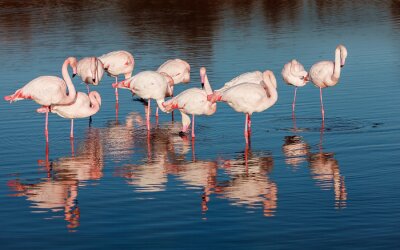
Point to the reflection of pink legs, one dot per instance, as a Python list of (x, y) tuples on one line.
[(193, 126), (249, 124), (71, 140), (322, 104), (116, 111), (116, 90), (294, 99)]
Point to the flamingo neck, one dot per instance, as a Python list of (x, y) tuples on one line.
[(71, 88), (207, 86), (336, 69), (95, 102)]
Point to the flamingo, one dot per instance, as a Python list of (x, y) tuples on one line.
[(293, 73), (249, 98), (84, 106), (116, 63), (49, 90), (148, 85), (193, 101), (178, 70), (90, 69), (326, 73)]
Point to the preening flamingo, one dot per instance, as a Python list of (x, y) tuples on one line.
[(293, 73), (178, 70), (249, 98), (149, 85), (84, 106), (91, 70), (327, 73), (193, 101), (117, 63), (49, 90)]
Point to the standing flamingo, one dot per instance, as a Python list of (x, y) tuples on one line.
[(49, 90), (249, 98), (193, 101), (293, 73), (116, 63), (149, 85), (178, 70), (326, 73), (84, 106), (91, 70)]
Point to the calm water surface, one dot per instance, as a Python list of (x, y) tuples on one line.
[(297, 185)]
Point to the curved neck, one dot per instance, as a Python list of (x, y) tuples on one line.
[(95, 102), (71, 88), (336, 66), (207, 86)]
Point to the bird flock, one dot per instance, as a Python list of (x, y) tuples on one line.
[(247, 93)]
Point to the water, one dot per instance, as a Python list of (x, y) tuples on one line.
[(298, 185)]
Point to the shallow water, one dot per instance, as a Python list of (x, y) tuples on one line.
[(298, 185)]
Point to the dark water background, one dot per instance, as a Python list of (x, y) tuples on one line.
[(302, 188)]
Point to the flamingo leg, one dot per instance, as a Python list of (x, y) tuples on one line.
[(148, 115), (72, 129), (249, 124), (71, 140), (157, 112), (246, 135), (193, 136), (116, 90), (294, 99), (172, 113), (88, 89), (322, 105), (46, 130)]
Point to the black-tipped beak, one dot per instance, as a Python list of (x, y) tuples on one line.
[(202, 85), (341, 66), (105, 69), (73, 75), (94, 80)]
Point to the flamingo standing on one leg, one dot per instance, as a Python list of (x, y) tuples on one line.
[(84, 106), (49, 90), (193, 101), (148, 85), (116, 63), (91, 70), (293, 73), (249, 98), (178, 70), (327, 73)]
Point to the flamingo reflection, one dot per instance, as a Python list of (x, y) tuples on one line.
[(295, 149), (250, 185), (58, 192)]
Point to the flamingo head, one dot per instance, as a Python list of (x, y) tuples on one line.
[(125, 84), (73, 62), (202, 76), (214, 97)]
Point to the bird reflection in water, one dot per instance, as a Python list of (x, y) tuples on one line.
[(250, 184), (296, 150), (59, 190), (325, 171)]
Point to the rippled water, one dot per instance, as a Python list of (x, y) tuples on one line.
[(298, 184)]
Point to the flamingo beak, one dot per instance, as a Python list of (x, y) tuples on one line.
[(73, 75), (94, 80), (202, 85), (341, 66)]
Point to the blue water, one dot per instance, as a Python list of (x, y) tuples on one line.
[(297, 185)]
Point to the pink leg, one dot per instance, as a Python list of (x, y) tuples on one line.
[(148, 114), (322, 104), (294, 99), (116, 90), (116, 112), (249, 124), (71, 135), (46, 130), (172, 113), (157, 112), (71, 140), (88, 89), (245, 128), (193, 136)]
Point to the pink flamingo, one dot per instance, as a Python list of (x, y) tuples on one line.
[(326, 73), (149, 85), (90, 69), (178, 70), (249, 98), (84, 106), (49, 90), (193, 101), (116, 63), (293, 73)]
